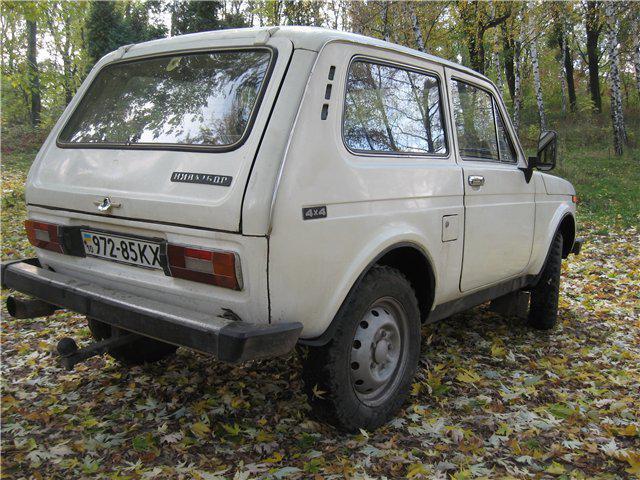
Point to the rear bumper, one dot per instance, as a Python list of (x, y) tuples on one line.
[(226, 339)]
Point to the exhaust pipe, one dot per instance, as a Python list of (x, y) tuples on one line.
[(20, 308)]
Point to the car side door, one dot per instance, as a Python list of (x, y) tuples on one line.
[(499, 203)]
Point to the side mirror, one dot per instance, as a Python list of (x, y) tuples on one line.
[(547, 151), (545, 160)]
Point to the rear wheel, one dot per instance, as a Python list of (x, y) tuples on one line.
[(362, 376), (142, 350), (543, 309)]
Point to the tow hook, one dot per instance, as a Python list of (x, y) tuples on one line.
[(70, 354)]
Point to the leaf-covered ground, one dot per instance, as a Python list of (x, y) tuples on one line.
[(493, 399)]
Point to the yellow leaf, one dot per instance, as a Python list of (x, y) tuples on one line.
[(629, 431), (231, 429), (416, 469), (498, 350), (468, 376), (634, 460), (555, 469), (275, 458), (317, 392), (200, 429)]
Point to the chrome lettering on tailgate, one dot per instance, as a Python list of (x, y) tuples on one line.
[(122, 249), (203, 178)]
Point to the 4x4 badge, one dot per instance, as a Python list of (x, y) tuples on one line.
[(105, 205), (311, 213)]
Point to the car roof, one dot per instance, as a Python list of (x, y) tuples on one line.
[(309, 38)]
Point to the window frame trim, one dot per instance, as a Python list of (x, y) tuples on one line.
[(496, 113), (180, 147), (494, 106), (399, 66)]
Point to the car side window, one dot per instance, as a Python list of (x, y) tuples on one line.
[(481, 130), (392, 109), (475, 124), (507, 152)]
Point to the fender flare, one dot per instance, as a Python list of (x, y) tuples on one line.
[(327, 335), (536, 277)]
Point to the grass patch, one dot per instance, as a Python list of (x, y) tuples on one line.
[(608, 186)]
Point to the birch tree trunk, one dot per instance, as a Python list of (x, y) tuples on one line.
[(517, 71), (533, 48), (617, 117), (563, 73), (416, 26), (635, 19)]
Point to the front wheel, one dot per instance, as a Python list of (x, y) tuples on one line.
[(543, 309), (362, 376)]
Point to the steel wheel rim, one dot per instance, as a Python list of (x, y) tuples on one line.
[(378, 353)]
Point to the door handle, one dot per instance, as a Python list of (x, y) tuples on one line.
[(476, 180)]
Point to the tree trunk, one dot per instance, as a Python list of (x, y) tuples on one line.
[(563, 92), (636, 45), (385, 21), (66, 60), (568, 72), (416, 27), (507, 49), (33, 74), (536, 80), (495, 58), (476, 52), (563, 64), (517, 98), (593, 27), (617, 117), (498, 67)]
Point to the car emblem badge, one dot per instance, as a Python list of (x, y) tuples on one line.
[(106, 205)]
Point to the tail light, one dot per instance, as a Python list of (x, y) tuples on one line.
[(206, 266), (575, 199), (44, 235)]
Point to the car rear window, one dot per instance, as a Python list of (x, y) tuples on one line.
[(200, 99)]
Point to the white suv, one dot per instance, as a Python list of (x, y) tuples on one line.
[(239, 192)]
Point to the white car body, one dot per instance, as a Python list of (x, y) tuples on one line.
[(460, 245)]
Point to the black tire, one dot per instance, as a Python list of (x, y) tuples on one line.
[(329, 370), (138, 352), (543, 309)]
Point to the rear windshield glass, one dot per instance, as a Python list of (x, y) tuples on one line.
[(205, 99)]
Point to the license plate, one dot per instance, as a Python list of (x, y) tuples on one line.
[(123, 249)]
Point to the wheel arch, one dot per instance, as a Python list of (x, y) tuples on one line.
[(413, 262), (567, 227)]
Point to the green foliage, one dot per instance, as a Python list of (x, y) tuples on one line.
[(104, 29), (113, 24), (195, 16)]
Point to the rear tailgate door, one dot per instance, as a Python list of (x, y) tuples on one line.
[(166, 172)]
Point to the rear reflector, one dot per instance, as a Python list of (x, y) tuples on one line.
[(205, 266), (44, 235)]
